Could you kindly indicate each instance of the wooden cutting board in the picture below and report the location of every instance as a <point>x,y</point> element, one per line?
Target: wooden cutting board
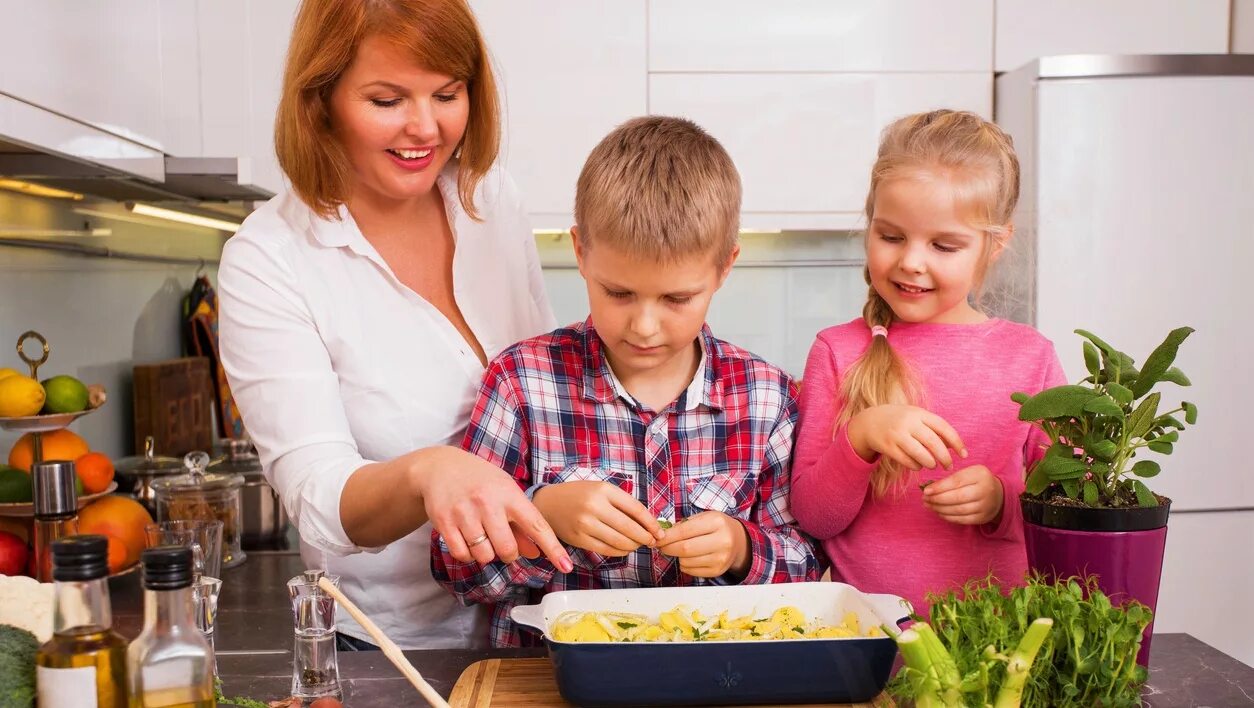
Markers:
<point>529,683</point>
<point>174,404</point>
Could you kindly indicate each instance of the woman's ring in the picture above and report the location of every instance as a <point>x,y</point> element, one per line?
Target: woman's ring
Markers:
<point>477,541</point>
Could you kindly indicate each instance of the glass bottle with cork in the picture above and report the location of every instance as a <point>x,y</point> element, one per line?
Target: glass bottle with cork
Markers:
<point>55,510</point>
<point>170,664</point>
<point>84,664</point>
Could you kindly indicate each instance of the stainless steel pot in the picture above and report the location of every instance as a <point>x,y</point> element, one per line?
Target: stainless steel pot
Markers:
<point>135,475</point>
<point>263,516</point>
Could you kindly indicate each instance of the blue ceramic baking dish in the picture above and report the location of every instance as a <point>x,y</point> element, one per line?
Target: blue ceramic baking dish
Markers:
<point>846,670</point>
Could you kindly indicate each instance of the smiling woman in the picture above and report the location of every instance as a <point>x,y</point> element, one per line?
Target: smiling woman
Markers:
<point>359,309</point>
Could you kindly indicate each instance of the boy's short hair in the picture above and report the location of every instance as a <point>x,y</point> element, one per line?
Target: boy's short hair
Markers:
<point>661,188</point>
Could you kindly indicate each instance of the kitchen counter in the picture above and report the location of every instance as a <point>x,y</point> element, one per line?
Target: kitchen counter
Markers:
<point>254,645</point>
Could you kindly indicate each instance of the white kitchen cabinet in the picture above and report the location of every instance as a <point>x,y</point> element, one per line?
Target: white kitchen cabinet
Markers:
<point>181,132</point>
<point>1028,29</point>
<point>569,71</point>
<point>820,35</point>
<point>804,143</point>
<point>98,61</point>
<point>1243,26</point>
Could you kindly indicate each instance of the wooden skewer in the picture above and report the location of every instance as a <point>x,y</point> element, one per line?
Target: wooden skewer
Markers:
<point>390,650</point>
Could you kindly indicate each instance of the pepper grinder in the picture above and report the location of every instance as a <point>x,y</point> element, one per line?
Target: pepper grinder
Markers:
<point>315,663</point>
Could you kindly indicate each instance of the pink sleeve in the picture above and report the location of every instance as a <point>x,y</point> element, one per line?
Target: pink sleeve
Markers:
<point>1033,449</point>
<point>829,480</point>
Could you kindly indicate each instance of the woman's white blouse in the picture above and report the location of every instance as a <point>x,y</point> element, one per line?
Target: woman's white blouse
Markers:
<point>335,364</point>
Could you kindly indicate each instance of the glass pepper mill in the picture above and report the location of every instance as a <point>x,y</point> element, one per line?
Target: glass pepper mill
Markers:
<point>315,664</point>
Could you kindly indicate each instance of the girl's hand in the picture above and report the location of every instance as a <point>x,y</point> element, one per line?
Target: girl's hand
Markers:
<point>912,437</point>
<point>970,496</point>
<point>708,545</point>
<point>479,501</point>
<point>597,517</point>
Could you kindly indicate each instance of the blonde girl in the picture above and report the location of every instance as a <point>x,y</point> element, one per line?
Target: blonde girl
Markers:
<point>910,457</point>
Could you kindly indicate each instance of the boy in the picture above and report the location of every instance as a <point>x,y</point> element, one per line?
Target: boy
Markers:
<point>638,414</point>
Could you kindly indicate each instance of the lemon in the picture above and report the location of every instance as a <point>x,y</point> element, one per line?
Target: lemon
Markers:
<point>14,485</point>
<point>20,395</point>
<point>7,372</point>
<point>66,394</point>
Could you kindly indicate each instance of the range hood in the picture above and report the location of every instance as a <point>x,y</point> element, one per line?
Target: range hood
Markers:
<point>47,148</point>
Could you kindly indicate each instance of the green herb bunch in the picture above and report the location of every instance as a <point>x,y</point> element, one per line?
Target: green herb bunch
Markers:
<point>1096,428</point>
<point>1088,658</point>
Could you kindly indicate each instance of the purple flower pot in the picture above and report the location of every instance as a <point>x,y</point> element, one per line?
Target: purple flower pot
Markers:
<point>1122,547</point>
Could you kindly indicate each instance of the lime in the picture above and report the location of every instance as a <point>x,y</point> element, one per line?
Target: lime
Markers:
<point>15,486</point>
<point>66,394</point>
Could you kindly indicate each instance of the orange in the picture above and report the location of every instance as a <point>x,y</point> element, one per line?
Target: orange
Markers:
<point>62,444</point>
<point>120,518</point>
<point>118,555</point>
<point>96,471</point>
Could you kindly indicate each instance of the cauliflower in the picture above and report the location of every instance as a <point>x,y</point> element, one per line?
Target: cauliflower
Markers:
<point>27,603</point>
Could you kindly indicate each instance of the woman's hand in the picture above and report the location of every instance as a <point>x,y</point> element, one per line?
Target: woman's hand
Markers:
<point>598,517</point>
<point>970,496</point>
<point>912,437</point>
<point>708,545</point>
<point>482,514</point>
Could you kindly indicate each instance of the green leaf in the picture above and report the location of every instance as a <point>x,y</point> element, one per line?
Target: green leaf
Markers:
<point>1168,421</point>
<point>1144,496</point>
<point>1061,465</point>
<point>1090,494</point>
<point>1104,405</point>
<point>1171,437</point>
<point>1071,487</point>
<point>1190,413</point>
<point>1175,376</point>
<point>1161,447</point>
<point>1142,419</point>
<point>1038,481</point>
<point>1104,450</point>
<point>1092,359</point>
<point>1160,360</point>
<point>1146,469</point>
<point>1019,397</point>
<point>1058,402</point>
<point>1096,340</point>
<point>1122,394</point>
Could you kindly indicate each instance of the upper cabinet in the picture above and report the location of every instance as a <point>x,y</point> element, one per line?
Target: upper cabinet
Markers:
<point>1027,29</point>
<point>820,35</point>
<point>568,72</point>
<point>99,62</point>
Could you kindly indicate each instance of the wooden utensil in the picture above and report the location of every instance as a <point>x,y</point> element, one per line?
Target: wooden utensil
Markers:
<point>390,650</point>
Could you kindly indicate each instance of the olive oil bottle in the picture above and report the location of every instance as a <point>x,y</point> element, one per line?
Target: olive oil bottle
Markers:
<point>84,664</point>
<point>170,664</point>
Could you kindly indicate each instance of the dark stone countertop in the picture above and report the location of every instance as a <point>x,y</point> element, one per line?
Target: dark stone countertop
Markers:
<point>254,645</point>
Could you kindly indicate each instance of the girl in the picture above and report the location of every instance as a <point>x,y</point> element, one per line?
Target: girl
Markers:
<point>910,456</point>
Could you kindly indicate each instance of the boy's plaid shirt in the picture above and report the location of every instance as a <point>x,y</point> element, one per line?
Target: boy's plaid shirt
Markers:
<point>550,410</point>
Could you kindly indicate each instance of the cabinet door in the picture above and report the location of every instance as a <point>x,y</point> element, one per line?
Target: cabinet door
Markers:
<point>569,71</point>
<point>820,35</point>
<point>804,143</point>
<point>1028,29</point>
<point>93,60</point>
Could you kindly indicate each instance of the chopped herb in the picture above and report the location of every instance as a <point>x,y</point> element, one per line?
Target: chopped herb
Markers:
<point>625,625</point>
<point>664,523</point>
<point>799,630</point>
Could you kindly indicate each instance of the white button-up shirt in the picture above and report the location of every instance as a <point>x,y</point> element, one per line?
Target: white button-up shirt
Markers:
<point>335,364</point>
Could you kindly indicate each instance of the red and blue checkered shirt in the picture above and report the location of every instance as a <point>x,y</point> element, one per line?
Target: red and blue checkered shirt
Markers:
<point>551,410</point>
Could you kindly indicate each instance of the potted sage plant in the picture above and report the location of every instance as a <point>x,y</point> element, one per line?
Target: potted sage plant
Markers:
<point>1087,509</point>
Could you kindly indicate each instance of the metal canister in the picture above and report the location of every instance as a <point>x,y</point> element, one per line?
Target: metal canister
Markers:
<point>264,520</point>
<point>136,475</point>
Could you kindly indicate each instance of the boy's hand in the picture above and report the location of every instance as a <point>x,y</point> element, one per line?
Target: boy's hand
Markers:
<point>708,545</point>
<point>597,517</point>
<point>912,437</point>
<point>970,496</point>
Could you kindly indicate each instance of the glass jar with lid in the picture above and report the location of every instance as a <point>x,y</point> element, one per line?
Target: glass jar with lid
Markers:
<point>264,521</point>
<point>198,495</point>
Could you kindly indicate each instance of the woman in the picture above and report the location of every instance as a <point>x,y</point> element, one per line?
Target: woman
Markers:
<point>359,309</point>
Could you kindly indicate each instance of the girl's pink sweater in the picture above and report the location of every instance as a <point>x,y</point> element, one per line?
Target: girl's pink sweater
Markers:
<point>895,544</point>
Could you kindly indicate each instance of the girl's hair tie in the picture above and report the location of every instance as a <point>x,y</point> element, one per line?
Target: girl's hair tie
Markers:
<point>879,331</point>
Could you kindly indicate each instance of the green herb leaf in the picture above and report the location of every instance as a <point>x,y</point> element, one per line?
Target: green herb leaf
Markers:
<point>1104,405</point>
<point>664,523</point>
<point>1146,469</point>
<point>1122,394</point>
<point>1092,359</point>
<point>1160,360</point>
<point>1175,376</point>
<point>1071,487</point>
<point>1059,468</point>
<point>1161,447</point>
<point>625,625</point>
<point>1190,413</point>
<point>1144,496</point>
<point>1058,402</point>
<point>1090,493</point>
<point>1168,421</point>
<point>1142,419</point>
<point>1104,450</point>
<point>1019,397</point>
<point>1038,480</point>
